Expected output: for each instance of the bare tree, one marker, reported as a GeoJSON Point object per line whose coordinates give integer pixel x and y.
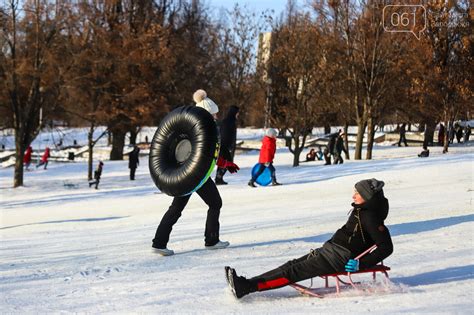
{"type": "Point", "coordinates": [295, 70]}
{"type": "Point", "coordinates": [237, 52]}
{"type": "Point", "coordinates": [29, 75]}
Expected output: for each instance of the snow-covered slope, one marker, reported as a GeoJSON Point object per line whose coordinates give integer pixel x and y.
{"type": "Point", "coordinates": [68, 248]}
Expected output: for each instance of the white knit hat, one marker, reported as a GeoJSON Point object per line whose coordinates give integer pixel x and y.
{"type": "Point", "coordinates": [271, 133]}
{"type": "Point", "coordinates": [199, 95]}
{"type": "Point", "coordinates": [208, 105]}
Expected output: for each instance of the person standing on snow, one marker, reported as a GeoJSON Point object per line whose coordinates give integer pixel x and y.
{"type": "Point", "coordinates": [27, 157]}
{"type": "Point", "coordinates": [44, 159]}
{"type": "Point", "coordinates": [364, 228]}
{"type": "Point", "coordinates": [228, 132]}
{"type": "Point", "coordinates": [97, 175]}
{"type": "Point", "coordinates": [133, 161]}
{"type": "Point", "coordinates": [339, 148]}
{"type": "Point", "coordinates": [208, 193]}
{"type": "Point", "coordinates": [267, 153]}
{"type": "Point", "coordinates": [402, 136]}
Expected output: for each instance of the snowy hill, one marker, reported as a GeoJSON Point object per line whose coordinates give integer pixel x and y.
{"type": "Point", "coordinates": [68, 248]}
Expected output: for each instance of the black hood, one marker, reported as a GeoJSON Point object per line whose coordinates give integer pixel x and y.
{"type": "Point", "coordinates": [378, 204]}
{"type": "Point", "coordinates": [232, 112]}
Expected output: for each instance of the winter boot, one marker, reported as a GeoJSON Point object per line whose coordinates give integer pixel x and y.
{"type": "Point", "coordinates": [252, 183]}
{"type": "Point", "coordinates": [218, 245]}
{"type": "Point", "coordinates": [239, 285]}
{"type": "Point", "coordinates": [220, 181]}
{"type": "Point", "coordinates": [163, 251]}
{"type": "Point", "coordinates": [275, 183]}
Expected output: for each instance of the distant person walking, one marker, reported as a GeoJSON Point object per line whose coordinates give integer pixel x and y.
{"type": "Point", "coordinates": [402, 136]}
{"type": "Point", "coordinates": [27, 157]}
{"type": "Point", "coordinates": [133, 161]}
{"type": "Point", "coordinates": [228, 132]}
{"type": "Point", "coordinates": [339, 148]}
{"type": "Point", "coordinates": [467, 133]}
{"type": "Point", "coordinates": [267, 153]}
{"type": "Point", "coordinates": [458, 133]}
{"type": "Point", "coordinates": [44, 159]}
{"type": "Point", "coordinates": [97, 175]}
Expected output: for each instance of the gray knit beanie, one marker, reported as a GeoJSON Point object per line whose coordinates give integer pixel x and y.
{"type": "Point", "coordinates": [367, 188]}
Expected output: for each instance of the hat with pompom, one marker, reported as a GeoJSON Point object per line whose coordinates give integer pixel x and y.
{"type": "Point", "coordinates": [367, 188]}
{"type": "Point", "coordinates": [201, 99]}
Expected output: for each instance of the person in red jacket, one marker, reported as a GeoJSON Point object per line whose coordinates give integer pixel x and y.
{"type": "Point", "coordinates": [27, 157]}
{"type": "Point", "coordinates": [267, 153]}
{"type": "Point", "coordinates": [44, 159]}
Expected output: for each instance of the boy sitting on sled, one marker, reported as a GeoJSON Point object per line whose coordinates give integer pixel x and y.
{"type": "Point", "coordinates": [364, 228]}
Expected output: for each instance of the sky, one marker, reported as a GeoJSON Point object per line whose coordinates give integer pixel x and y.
{"type": "Point", "coordinates": [258, 5]}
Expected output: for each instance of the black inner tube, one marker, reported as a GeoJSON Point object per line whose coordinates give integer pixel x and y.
{"type": "Point", "coordinates": [183, 150]}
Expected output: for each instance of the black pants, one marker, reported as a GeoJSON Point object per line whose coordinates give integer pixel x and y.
{"type": "Point", "coordinates": [220, 173]}
{"type": "Point", "coordinates": [402, 139]}
{"type": "Point", "coordinates": [132, 173]}
{"type": "Point", "coordinates": [338, 158]}
{"type": "Point", "coordinates": [260, 170]}
{"type": "Point", "coordinates": [210, 195]}
{"type": "Point", "coordinates": [328, 259]}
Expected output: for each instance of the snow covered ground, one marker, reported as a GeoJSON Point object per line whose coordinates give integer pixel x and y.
{"type": "Point", "coordinates": [68, 248]}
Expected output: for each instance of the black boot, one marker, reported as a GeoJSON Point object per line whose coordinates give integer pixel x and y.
{"type": "Point", "coordinates": [275, 183]}
{"type": "Point", "coordinates": [220, 181]}
{"type": "Point", "coordinates": [239, 285]}
{"type": "Point", "coordinates": [252, 183]}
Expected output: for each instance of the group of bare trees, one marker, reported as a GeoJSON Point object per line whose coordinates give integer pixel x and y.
{"type": "Point", "coordinates": [121, 64]}
{"type": "Point", "coordinates": [124, 64]}
{"type": "Point", "coordinates": [337, 64]}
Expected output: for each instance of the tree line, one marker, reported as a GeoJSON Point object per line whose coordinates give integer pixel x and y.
{"type": "Point", "coordinates": [124, 64]}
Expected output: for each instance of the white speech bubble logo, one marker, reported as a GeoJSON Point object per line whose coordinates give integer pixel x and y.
{"type": "Point", "coordinates": [404, 18]}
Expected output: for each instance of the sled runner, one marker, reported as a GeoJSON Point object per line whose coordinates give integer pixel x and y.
{"type": "Point", "coordinates": [381, 268]}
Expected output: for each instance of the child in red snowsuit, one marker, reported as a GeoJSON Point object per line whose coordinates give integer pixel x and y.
{"type": "Point", "coordinates": [44, 159]}
{"type": "Point", "coordinates": [267, 153]}
{"type": "Point", "coordinates": [27, 157]}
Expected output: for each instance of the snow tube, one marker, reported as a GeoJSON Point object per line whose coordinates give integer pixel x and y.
{"type": "Point", "coordinates": [184, 150]}
{"type": "Point", "coordinates": [265, 178]}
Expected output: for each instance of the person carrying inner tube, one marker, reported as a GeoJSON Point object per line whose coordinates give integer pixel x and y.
{"type": "Point", "coordinates": [208, 193]}
{"type": "Point", "coordinates": [228, 132]}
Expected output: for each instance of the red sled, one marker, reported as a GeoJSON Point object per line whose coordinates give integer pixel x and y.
{"type": "Point", "coordinates": [349, 282]}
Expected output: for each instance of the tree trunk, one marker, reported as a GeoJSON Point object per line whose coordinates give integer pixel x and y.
{"type": "Point", "coordinates": [370, 138]}
{"type": "Point", "coordinates": [360, 139]}
{"type": "Point", "coordinates": [118, 142]}
{"type": "Point", "coordinates": [327, 129]}
{"type": "Point", "coordinates": [18, 173]}
{"type": "Point", "coordinates": [297, 151]}
{"type": "Point", "coordinates": [133, 136]}
{"type": "Point", "coordinates": [428, 138]}
{"type": "Point", "coordinates": [90, 143]}
{"type": "Point", "coordinates": [346, 141]}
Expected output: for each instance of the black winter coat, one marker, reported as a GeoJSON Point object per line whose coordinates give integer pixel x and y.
{"type": "Point", "coordinates": [340, 145]}
{"type": "Point", "coordinates": [370, 216]}
{"type": "Point", "coordinates": [228, 134]}
{"type": "Point", "coordinates": [133, 158]}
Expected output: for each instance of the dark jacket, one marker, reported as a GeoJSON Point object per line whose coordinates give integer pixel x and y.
{"type": "Point", "coordinates": [228, 134]}
{"type": "Point", "coordinates": [340, 145]}
{"type": "Point", "coordinates": [133, 158]}
{"type": "Point", "coordinates": [332, 143]}
{"type": "Point", "coordinates": [370, 216]}
{"type": "Point", "coordinates": [98, 171]}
